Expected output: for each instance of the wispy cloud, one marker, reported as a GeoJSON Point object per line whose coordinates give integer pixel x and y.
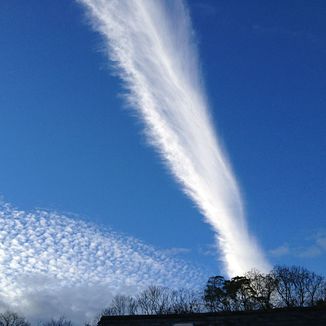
{"type": "Point", "coordinates": [313, 246]}
{"type": "Point", "coordinates": [320, 239]}
{"type": "Point", "coordinates": [51, 264]}
{"type": "Point", "coordinates": [176, 251]}
{"type": "Point", "coordinates": [151, 44]}
{"type": "Point", "coordinates": [207, 250]}
{"type": "Point", "coordinates": [280, 251]}
{"type": "Point", "coordinates": [205, 8]}
{"type": "Point", "coordinates": [309, 252]}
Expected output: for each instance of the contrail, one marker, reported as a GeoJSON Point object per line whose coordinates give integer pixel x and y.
{"type": "Point", "coordinates": [150, 43]}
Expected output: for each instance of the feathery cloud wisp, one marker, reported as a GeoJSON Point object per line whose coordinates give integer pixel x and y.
{"type": "Point", "coordinates": [150, 43]}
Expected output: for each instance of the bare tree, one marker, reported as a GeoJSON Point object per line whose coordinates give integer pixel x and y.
{"type": "Point", "coordinates": [10, 318]}
{"type": "Point", "coordinates": [62, 321]}
{"type": "Point", "coordinates": [297, 286]}
{"type": "Point", "coordinates": [300, 276]}
{"type": "Point", "coordinates": [121, 305]}
{"type": "Point", "coordinates": [154, 300]}
{"type": "Point", "coordinates": [184, 301]}
{"type": "Point", "coordinates": [314, 288]}
{"type": "Point", "coordinates": [285, 286]}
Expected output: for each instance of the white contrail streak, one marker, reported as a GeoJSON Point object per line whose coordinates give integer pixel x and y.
{"type": "Point", "coordinates": [150, 43]}
{"type": "Point", "coordinates": [52, 265]}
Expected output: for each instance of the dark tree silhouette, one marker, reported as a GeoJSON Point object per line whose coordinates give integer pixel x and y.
{"type": "Point", "coordinates": [154, 300]}
{"type": "Point", "coordinates": [62, 321]}
{"type": "Point", "coordinates": [122, 305]}
{"type": "Point", "coordinates": [10, 318]}
{"type": "Point", "coordinates": [239, 293]}
{"type": "Point", "coordinates": [316, 288]}
{"type": "Point", "coordinates": [185, 302]}
{"type": "Point", "coordinates": [263, 288]}
{"type": "Point", "coordinates": [281, 288]}
{"type": "Point", "coordinates": [215, 296]}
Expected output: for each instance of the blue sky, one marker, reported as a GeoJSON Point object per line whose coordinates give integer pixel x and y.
{"type": "Point", "coordinates": [69, 143]}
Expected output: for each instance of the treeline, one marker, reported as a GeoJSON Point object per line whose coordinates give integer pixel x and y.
{"type": "Point", "coordinates": [283, 287]}
{"type": "Point", "coordinates": [10, 318]}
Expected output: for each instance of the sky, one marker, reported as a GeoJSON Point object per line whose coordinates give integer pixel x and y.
{"type": "Point", "coordinates": [71, 145]}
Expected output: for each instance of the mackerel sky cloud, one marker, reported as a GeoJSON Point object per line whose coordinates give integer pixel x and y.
{"type": "Point", "coordinates": [52, 265]}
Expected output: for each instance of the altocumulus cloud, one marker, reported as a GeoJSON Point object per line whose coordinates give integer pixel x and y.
{"type": "Point", "coordinates": [51, 264]}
